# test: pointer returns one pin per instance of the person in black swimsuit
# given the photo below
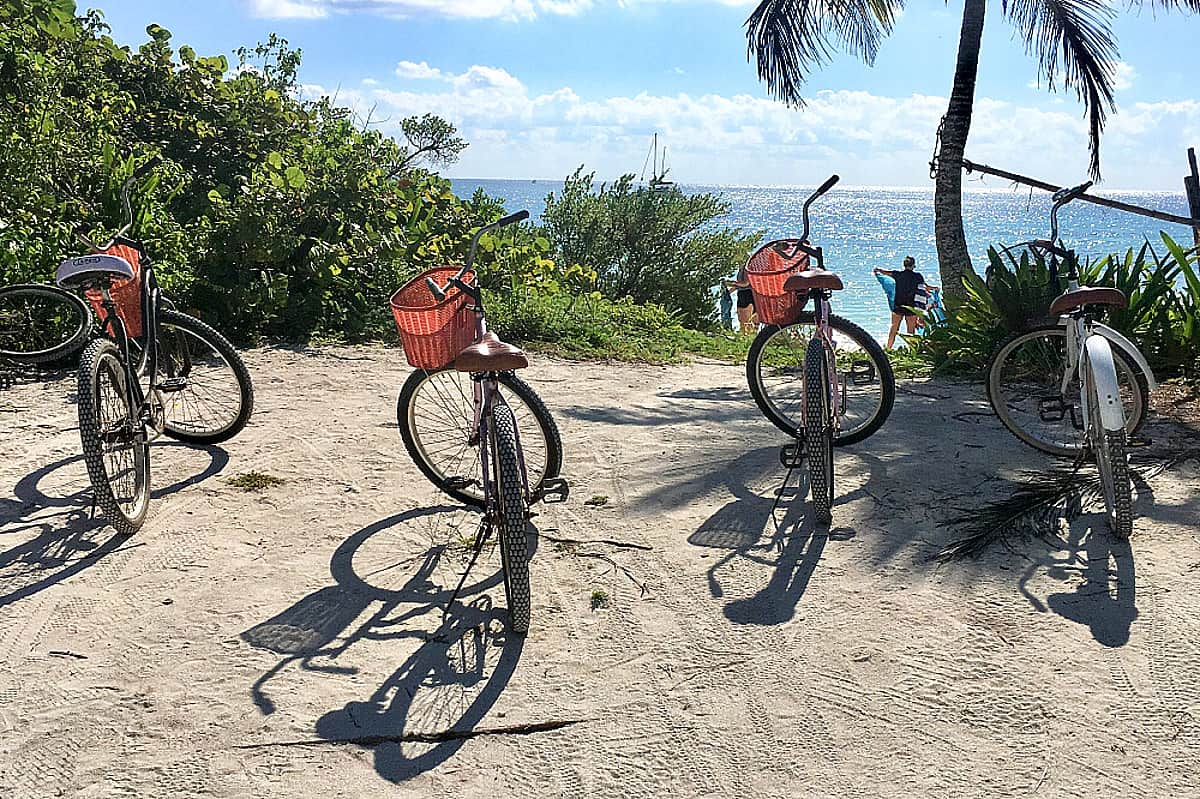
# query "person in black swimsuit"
(908, 282)
(747, 318)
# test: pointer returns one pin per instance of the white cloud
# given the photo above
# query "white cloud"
(1123, 76)
(468, 9)
(288, 9)
(738, 139)
(421, 71)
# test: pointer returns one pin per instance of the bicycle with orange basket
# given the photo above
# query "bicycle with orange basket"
(475, 429)
(816, 376)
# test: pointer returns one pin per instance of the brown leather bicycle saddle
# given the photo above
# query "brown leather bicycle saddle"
(1070, 300)
(490, 354)
(811, 279)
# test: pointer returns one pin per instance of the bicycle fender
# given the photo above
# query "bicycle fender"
(1129, 347)
(1104, 374)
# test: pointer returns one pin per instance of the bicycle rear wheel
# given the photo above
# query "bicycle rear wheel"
(511, 513)
(1112, 462)
(203, 383)
(1026, 372)
(113, 438)
(436, 416)
(39, 324)
(818, 430)
(775, 370)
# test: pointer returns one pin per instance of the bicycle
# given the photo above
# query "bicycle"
(38, 325)
(196, 387)
(460, 411)
(1064, 388)
(846, 387)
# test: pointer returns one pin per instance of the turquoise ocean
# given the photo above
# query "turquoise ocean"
(863, 228)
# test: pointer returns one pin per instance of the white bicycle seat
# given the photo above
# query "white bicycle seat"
(76, 273)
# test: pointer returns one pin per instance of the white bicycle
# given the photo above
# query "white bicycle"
(1075, 387)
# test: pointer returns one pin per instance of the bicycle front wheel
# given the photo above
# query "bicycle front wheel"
(775, 372)
(1025, 388)
(510, 513)
(202, 382)
(113, 438)
(39, 324)
(436, 416)
(818, 430)
(1113, 464)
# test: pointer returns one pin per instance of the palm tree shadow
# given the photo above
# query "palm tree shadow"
(68, 538)
(1105, 601)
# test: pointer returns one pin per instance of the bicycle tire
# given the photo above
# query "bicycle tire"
(40, 324)
(1139, 399)
(184, 409)
(779, 408)
(109, 424)
(818, 430)
(511, 516)
(1112, 462)
(449, 386)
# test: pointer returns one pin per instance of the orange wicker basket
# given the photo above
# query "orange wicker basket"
(433, 331)
(767, 270)
(126, 293)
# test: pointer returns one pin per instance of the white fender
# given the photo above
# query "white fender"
(1129, 347)
(1103, 370)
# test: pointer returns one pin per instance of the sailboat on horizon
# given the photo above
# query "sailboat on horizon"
(658, 180)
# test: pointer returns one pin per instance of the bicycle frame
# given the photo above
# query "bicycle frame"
(825, 333)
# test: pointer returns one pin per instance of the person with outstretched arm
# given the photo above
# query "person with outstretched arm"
(908, 282)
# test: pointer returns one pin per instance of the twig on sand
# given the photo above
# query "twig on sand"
(424, 737)
(609, 541)
(66, 653)
(641, 586)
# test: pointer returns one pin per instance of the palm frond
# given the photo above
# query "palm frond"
(789, 38)
(1037, 503)
(1074, 38)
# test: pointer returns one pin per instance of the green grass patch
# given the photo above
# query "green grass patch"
(256, 481)
(600, 599)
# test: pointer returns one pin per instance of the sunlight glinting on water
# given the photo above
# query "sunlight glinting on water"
(864, 228)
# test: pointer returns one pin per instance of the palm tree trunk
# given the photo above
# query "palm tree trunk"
(954, 260)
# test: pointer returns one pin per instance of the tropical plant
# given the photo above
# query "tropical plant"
(1071, 39)
(1162, 318)
(654, 245)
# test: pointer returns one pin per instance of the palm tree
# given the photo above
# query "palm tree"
(1071, 39)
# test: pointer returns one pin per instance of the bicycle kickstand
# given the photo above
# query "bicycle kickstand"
(485, 532)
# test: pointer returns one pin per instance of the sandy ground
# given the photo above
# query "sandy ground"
(281, 644)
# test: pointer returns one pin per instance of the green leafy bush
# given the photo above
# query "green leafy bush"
(656, 246)
(1162, 319)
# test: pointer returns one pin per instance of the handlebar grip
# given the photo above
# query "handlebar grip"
(435, 289)
(519, 216)
(1066, 195)
(827, 185)
(146, 167)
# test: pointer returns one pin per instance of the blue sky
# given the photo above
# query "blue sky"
(539, 87)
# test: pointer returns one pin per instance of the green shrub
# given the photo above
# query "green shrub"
(655, 246)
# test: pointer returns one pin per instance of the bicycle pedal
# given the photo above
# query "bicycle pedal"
(1053, 409)
(172, 385)
(862, 373)
(459, 483)
(553, 490)
(791, 456)
(1076, 419)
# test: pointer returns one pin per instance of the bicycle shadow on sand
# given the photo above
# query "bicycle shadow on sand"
(424, 711)
(60, 534)
(775, 531)
(1106, 600)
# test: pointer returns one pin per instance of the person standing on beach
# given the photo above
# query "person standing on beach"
(908, 282)
(747, 318)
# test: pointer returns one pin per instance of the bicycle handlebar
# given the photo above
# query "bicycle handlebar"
(439, 292)
(1061, 198)
(824, 187)
(80, 231)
